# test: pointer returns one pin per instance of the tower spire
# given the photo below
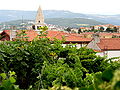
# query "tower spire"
(39, 16)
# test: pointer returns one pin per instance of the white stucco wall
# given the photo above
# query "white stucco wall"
(113, 54)
(110, 54)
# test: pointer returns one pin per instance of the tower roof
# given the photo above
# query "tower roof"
(39, 16)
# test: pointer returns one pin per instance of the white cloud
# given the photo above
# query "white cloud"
(80, 6)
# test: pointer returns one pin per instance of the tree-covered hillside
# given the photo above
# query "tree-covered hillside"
(72, 22)
(67, 22)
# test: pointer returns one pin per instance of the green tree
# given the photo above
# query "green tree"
(109, 30)
(43, 28)
(92, 28)
(68, 29)
(101, 28)
(79, 31)
(25, 58)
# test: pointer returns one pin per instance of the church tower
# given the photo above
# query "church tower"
(39, 16)
(39, 21)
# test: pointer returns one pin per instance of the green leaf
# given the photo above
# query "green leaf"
(19, 58)
(12, 73)
(107, 75)
(26, 53)
(3, 75)
(4, 55)
(24, 63)
(12, 80)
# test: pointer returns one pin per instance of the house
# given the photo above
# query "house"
(88, 34)
(5, 35)
(101, 35)
(105, 46)
(9, 35)
(104, 26)
(31, 34)
(85, 29)
(69, 38)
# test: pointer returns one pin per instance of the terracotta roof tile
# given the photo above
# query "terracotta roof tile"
(109, 44)
(6, 31)
(31, 34)
(55, 34)
(67, 36)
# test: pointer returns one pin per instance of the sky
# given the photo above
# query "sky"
(105, 7)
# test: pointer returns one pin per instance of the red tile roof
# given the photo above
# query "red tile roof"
(6, 31)
(31, 34)
(68, 36)
(101, 34)
(109, 44)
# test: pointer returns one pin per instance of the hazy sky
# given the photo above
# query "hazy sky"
(79, 6)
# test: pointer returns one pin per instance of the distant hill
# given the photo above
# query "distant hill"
(66, 22)
(8, 15)
(17, 22)
(72, 22)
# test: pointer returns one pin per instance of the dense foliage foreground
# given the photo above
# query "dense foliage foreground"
(39, 65)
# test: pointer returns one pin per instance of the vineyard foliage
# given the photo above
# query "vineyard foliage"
(44, 64)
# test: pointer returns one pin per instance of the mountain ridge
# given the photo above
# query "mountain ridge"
(8, 15)
(65, 22)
